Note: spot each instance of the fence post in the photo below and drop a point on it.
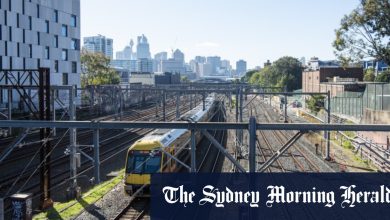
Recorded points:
(327, 157)
(96, 152)
(193, 152)
(252, 144)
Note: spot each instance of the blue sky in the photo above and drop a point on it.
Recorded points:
(253, 30)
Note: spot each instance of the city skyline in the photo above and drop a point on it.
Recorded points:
(234, 30)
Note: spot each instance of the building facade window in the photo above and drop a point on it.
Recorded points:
(65, 80)
(30, 50)
(74, 67)
(73, 21)
(38, 11)
(5, 18)
(64, 55)
(17, 20)
(55, 16)
(6, 48)
(64, 30)
(30, 22)
(1, 31)
(18, 49)
(10, 33)
(47, 26)
(38, 38)
(24, 36)
(56, 66)
(47, 53)
(55, 42)
(74, 44)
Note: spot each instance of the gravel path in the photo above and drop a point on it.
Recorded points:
(108, 206)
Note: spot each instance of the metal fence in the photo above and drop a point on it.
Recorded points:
(352, 104)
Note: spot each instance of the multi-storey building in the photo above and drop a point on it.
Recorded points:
(35, 33)
(99, 44)
(130, 65)
(143, 50)
(241, 67)
(172, 66)
(215, 62)
(144, 65)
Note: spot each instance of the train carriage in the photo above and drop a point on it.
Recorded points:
(153, 152)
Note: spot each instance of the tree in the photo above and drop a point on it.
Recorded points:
(383, 77)
(364, 33)
(369, 75)
(285, 72)
(315, 103)
(184, 79)
(248, 75)
(96, 70)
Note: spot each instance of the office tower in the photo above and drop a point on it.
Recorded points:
(143, 51)
(37, 34)
(241, 67)
(99, 44)
(215, 62)
(178, 56)
(200, 59)
(144, 65)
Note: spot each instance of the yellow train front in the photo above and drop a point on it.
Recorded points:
(153, 152)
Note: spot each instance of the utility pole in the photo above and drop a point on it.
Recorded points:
(73, 190)
(45, 115)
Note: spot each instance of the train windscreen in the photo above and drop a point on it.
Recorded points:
(143, 163)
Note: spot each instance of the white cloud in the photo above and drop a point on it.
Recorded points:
(207, 44)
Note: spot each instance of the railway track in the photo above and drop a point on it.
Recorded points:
(137, 209)
(295, 159)
(114, 144)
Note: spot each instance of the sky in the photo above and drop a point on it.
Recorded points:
(253, 30)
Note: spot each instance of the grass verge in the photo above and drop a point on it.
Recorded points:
(73, 208)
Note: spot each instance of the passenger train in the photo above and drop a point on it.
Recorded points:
(146, 156)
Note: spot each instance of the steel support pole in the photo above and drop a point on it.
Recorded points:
(327, 156)
(285, 109)
(177, 106)
(241, 132)
(120, 103)
(164, 105)
(382, 102)
(45, 158)
(375, 97)
(96, 155)
(157, 104)
(53, 98)
(73, 146)
(193, 152)
(237, 98)
(252, 144)
(191, 101)
(204, 101)
(10, 108)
